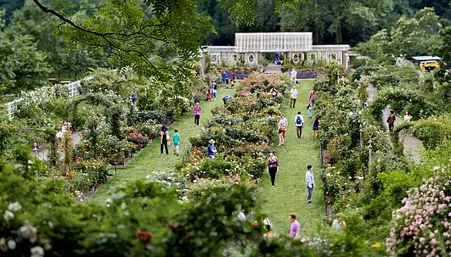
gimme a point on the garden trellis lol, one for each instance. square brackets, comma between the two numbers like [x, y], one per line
[73, 91]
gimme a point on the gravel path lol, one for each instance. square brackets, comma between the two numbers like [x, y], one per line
[412, 145]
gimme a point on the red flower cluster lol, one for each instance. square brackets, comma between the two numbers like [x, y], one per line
[144, 237]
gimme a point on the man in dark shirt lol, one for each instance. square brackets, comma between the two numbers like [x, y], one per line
[391, 121]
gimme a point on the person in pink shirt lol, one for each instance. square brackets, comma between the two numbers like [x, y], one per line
[295, 227]
[196, 113]
[311, 97]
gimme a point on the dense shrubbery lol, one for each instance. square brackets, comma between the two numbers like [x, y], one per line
[111, 128]
[367, 174]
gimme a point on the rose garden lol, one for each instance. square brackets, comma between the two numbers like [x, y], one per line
[81, 173]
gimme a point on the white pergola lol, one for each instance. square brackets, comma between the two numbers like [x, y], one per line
[297, 46]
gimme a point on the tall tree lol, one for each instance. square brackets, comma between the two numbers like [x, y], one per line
[337, 21]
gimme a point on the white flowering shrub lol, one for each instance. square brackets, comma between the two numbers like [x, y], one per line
[423, 224]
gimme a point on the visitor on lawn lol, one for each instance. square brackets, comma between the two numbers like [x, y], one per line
[273, 167]
[211, 150]
[282, 125]
[208, 95]
[224, 77]
[310, 183]
[310, 110]
[197, 113]
[299, 122]
[215, 90]
[293, 97]
[316, 124]
[293, 75]
[311, 97]
[391, 121]
[164, 135]
[295, 227]
[176, 141]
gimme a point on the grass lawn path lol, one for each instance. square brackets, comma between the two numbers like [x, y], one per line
[150, 160]
[290, 192]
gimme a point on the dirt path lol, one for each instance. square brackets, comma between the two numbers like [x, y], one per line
[412, 145]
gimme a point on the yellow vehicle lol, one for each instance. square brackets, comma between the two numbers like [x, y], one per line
[428, 63]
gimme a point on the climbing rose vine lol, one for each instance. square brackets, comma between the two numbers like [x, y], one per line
[423, 224]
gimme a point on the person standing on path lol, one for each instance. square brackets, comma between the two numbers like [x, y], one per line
[197, 113]
[273, 166]
[164, 135]
[295, 227]
[299, 122]
[176, 141]
[391, 121]
[211, 150]
[310, 183]
[316, 124]
[293, 97]
[311, 97]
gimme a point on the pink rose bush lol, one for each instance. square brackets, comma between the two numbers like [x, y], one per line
[423, 224]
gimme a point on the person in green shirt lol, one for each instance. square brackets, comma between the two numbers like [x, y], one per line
[176, 141]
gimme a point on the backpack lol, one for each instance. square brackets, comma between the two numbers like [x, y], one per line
[298, 120]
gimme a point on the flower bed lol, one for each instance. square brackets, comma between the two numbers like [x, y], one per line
[242, 130]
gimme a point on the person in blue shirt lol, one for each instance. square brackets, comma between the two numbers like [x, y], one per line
[225, 98]
[224, 77]
[211, 150]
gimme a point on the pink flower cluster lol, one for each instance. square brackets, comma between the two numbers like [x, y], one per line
[423, 224]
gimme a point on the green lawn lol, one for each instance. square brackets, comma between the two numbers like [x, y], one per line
[290, 192]
[150, 160]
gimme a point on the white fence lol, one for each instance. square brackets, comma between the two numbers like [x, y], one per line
[73, 91]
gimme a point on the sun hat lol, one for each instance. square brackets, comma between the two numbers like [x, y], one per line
[211, 141]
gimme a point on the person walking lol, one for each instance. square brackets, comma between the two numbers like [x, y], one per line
[293, 97]
[391, 121]
[282, 125]
[311, 97]
[197, 113]
[176, 141]
[273, 167]
[295, 227]
[164, 138]
[299, 122]
[310, 110]
[310, 183]
[211, 150]
[316, 124]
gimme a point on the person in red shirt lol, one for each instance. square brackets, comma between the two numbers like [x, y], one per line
[312, 96]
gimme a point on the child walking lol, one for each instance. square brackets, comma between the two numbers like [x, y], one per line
[310, 111]
[176, 141]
